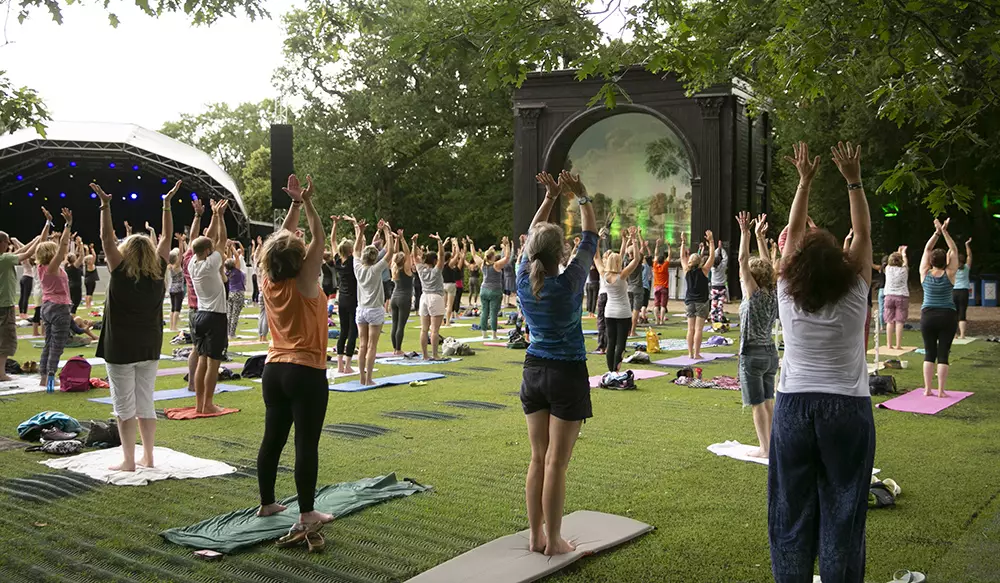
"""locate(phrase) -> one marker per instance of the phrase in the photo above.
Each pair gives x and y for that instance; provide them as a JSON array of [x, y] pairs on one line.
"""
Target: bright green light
[[890, 215], [996, 216]]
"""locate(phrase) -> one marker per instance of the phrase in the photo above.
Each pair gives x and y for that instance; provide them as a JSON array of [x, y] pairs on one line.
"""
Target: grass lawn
[[642, 455]]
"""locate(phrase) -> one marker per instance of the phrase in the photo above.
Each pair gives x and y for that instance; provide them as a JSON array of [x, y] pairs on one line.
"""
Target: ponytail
[[537, 277], [544, 246]]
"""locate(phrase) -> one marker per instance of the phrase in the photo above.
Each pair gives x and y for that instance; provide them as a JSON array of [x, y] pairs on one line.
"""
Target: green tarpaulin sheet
[[229, 532]]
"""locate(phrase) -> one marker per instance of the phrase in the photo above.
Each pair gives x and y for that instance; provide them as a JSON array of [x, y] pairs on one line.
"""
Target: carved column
[[527, 153], [706, 206]]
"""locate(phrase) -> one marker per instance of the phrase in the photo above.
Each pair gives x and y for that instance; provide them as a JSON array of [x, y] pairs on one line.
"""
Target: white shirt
[[719, 272], [618, 306], [207, 280], [371, 294], [825, 350], [895, 281]]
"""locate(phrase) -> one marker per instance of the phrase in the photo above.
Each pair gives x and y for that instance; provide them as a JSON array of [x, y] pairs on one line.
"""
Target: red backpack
[[75, 376]]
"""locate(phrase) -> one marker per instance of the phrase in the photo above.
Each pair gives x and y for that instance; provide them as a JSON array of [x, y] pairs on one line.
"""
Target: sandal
[[904, 576], [315, 541], [298, 534]]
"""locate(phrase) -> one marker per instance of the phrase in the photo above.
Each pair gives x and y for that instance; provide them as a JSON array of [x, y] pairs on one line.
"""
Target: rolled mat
[[230, 532], [181, 413]]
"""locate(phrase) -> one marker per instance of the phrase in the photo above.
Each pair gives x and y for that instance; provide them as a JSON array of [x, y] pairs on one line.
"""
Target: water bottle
[[50, 385]]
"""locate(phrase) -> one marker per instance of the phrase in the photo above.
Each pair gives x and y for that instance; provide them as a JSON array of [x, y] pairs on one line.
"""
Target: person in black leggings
[[74, 274], [294, 384], [27, 284], [401, 300], [347, 302], [938, 318]]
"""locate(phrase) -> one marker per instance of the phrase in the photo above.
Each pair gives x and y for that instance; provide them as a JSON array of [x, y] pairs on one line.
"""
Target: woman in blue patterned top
[[555, 387], [938, 319], [759, 310], [962, 287]]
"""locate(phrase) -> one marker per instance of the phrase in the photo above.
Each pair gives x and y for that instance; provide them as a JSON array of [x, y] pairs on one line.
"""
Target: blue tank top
[[937, 292], [962, 278]]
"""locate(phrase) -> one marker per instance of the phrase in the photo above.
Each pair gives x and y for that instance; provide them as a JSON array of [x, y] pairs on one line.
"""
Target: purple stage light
[[133, 196]]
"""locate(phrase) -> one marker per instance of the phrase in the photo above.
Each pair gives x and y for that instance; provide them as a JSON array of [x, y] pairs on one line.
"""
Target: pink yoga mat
[[916, 402], [166, 372], [595, 381], [685, 361], [496, 344]]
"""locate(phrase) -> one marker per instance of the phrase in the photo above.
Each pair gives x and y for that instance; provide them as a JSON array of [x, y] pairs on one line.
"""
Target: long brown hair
[[819, 273], [544, 246]]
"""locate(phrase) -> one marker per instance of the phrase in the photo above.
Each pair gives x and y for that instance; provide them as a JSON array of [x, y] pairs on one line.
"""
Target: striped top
[[962, 278], [937, 292]]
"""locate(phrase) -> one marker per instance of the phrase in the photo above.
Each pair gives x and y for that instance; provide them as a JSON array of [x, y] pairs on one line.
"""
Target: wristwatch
[[583, 199]]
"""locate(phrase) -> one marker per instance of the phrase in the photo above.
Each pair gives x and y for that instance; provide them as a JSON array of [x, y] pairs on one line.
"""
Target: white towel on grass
[[20, 384], [738, 451], [169, 464]]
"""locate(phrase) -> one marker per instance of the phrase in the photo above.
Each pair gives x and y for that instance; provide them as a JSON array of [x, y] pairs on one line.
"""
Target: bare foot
[[213, 408], [698, 357], [759, 452], [927, 393], [536, 542], [348, 370], [270, 510], [559, 547], [4, 378], [942, 394], [313, 517], [122, 467], [143, 462]]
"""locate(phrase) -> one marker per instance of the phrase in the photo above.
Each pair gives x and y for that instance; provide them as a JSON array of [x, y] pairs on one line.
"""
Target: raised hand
[[944, 225], [709, 237], [435, 236], [848, 161], [307, 194], [128, 228], [147, 226], [198, 206], [937, 226], [968, 242], [807, 169], [105, 198], [552, 189], [294, 188], [761, 228], [572, 183], [67, 216], [171, 193], [48, 215], [744, 221]]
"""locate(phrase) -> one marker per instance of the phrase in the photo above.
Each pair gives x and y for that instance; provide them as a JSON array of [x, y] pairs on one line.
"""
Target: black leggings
[[348, 327], [602, 325], [90, 283], [618, 329], [292, 394], [400, 306], [75, 297], [592, 291], [456, 304], [938, 327], [961, 298], [176, 300], [26, 284]]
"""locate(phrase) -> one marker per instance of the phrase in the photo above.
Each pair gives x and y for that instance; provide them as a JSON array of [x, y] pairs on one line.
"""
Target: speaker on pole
[[282, 164]]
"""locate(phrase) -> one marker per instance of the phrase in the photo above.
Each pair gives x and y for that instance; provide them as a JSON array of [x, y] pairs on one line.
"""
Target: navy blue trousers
[[822, 451]]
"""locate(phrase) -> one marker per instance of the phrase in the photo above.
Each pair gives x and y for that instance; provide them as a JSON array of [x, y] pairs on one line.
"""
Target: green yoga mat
[[230, 532]]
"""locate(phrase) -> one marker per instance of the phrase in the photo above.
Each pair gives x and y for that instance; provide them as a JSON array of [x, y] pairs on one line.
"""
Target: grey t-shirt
[[371, 293], [431, 280], [719, 271]]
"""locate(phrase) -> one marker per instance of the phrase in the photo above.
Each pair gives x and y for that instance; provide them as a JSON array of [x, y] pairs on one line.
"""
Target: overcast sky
[[147, 71]]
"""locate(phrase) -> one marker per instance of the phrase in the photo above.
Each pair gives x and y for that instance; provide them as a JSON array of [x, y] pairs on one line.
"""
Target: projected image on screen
[[635, 167]]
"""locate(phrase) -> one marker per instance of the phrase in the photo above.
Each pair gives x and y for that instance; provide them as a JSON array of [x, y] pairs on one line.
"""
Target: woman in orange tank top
[[294, 381]]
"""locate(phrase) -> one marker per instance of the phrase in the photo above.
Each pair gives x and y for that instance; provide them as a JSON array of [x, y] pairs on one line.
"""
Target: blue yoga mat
[[180, 393], [400, 379]]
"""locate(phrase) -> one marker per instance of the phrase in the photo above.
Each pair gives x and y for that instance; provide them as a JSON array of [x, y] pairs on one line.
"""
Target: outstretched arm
[[167, 225], [968, 253], [440, 252], [552, 192], [317, 240], [799, 212], [359, 238], [684, 252], [636, 257], [707, 266], [749, 283], [112, 257], [925, 259], [53, 267], [760, 229], [952, 251], [848, 160]]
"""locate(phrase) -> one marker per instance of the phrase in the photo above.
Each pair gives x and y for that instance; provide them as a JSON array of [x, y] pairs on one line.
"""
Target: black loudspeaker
[[282, 164]]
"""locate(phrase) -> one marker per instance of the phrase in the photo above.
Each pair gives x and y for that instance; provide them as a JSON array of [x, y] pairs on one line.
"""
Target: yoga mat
[[590, 332], [496, 344], [250, 316], [402, 379], [94, 361], [180, 413], [639, 374], [508, 560], [964, 341], [168, 464], [230, 532], [739, 451], [893, 351], [246, 342], [166, 372], [333, 375], [680, 361], [20, 384], [180, 393], [916, 402], [403, 361]]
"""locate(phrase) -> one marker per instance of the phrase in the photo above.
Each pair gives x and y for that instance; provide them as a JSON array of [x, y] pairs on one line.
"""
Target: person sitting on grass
[[81, 327], [696, 269], [938, 317], [294, 384], [132, 332], [758, 311], [823, 433], [9, 259], [555, 386], [210, 323]]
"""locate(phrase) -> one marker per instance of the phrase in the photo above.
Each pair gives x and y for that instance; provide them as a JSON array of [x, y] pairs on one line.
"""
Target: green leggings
[[491, 308]]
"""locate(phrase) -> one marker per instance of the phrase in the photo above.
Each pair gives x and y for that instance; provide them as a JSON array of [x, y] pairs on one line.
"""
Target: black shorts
[[387, 288], [961, 298], [210, 334], [561, 386], [176, 301], [646, 295]]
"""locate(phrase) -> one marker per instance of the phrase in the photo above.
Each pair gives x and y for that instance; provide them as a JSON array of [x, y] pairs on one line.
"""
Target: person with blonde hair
[[56, 302], [491, 292], [294, 382], [347, 298], [368, 269], [9, 258], [210, 322], [555, 385], [696, 269], [432, 306], [90, 275], [132, 332], [401, 301], [618, 311], [758, 311], [897, 297]]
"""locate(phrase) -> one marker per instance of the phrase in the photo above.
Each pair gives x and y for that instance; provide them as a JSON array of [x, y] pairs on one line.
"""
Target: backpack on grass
[[75, 376], [881, 385]]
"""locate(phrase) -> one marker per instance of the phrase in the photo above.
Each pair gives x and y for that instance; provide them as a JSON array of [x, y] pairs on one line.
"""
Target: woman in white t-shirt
[[823, 433], [897, 297], [370, 317]]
